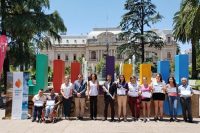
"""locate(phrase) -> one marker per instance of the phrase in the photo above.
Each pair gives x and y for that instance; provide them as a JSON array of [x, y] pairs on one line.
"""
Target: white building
[[94, 45]]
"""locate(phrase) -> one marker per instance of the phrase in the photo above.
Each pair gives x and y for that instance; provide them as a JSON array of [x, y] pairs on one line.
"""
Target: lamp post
[[133, 61]]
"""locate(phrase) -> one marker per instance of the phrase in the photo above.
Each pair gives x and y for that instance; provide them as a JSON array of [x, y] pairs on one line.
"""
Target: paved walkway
[[76, 126]]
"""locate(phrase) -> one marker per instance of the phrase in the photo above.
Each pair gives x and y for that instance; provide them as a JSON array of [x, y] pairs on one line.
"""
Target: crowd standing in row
[[136, 95]]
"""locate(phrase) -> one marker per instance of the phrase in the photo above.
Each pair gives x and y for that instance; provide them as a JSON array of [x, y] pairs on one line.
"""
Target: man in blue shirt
[[186, 93], [80, 87]]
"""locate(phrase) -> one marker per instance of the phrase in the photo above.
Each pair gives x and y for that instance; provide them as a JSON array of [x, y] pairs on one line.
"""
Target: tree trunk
[[194, 72]]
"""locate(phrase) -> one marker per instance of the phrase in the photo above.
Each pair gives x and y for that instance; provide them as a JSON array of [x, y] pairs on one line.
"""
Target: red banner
[[3, 47]]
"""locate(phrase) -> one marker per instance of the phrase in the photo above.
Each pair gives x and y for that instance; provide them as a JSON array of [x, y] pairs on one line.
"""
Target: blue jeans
[[173, 102], [48, 110]]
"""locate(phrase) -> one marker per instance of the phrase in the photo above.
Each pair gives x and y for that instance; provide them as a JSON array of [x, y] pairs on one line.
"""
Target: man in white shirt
[[38, 101], [186, 93]]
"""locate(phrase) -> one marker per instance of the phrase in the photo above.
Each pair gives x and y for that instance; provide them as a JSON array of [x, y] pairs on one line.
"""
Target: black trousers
[[108, 100], [186, 108], [37, 112], [93, 107], [67, 106]]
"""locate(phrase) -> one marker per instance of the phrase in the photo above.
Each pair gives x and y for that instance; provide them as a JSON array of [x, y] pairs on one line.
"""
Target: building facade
[[93, 47]]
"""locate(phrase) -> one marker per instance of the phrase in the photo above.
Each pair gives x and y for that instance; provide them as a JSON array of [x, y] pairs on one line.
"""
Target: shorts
[[146, 99], [158, 96]]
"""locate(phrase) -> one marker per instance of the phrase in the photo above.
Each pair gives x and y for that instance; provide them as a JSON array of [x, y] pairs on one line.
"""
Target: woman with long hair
[[93, 88], [159, 89], [122, 88], [172, 92]]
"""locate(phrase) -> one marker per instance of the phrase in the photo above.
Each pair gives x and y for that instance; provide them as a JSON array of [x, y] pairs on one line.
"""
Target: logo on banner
[[18, 83]]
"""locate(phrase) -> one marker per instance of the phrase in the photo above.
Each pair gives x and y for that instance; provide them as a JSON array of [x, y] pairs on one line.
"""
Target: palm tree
[[141, 14], [186, 27]]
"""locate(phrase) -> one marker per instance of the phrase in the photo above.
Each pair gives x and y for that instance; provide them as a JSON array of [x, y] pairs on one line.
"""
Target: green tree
[[186, 27], [99, 66], [141, 14], [26, 21]]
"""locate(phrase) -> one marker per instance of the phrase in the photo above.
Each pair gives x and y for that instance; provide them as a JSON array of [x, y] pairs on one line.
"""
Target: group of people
[[138, 96]]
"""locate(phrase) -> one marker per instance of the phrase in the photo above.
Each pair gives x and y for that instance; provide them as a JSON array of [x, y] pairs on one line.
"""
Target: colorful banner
[[3, 47], [20, 95], [127, 71], [110, 66], [75, 70], [58, 74], [25, 96], [145, 71], [17, 95]]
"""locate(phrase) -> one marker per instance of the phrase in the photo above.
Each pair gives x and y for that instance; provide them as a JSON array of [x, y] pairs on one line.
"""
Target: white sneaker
[[148, 120], [139, 120]]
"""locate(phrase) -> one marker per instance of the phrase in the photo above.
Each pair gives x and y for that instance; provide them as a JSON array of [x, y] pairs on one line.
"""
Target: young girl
[[145, 92]]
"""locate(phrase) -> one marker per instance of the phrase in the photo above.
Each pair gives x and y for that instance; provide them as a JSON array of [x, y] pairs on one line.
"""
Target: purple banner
[[110, 66]]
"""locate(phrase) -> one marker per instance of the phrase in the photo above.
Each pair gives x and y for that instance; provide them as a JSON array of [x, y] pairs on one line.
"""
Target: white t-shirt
[[158, 86], [39, 101], [133, 89], [93, 89], [67, 89]]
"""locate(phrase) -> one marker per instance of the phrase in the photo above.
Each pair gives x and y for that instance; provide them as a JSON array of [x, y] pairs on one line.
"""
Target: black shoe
[[104, 119], [38, 121], [33, 120], [91, 118], [112, 120], [171, 120], [155, 119], [190, 121], [80, 118], [119, 120], [176, 120]]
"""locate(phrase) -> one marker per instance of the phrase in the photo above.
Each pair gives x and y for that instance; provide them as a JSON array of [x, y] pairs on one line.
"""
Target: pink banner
[[3, 47]]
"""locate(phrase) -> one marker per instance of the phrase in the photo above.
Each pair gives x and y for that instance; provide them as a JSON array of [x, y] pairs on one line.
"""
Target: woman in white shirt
[[66, 91], [158, 96], [93, 88], [133, 98]]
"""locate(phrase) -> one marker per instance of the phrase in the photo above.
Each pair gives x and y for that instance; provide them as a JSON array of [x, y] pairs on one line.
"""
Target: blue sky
[[80, 16]]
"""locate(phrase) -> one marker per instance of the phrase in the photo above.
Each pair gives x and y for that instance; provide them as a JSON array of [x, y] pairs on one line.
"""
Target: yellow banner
[[145, 71], [127, 71]]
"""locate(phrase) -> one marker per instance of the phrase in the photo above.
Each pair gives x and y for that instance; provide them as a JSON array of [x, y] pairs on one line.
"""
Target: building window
[[83, 41], [67, 41], [74, 56], [168, 39], [75, 41], [82, 55], [169, 56], [66, 58], [58, 56], [93, 55]]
